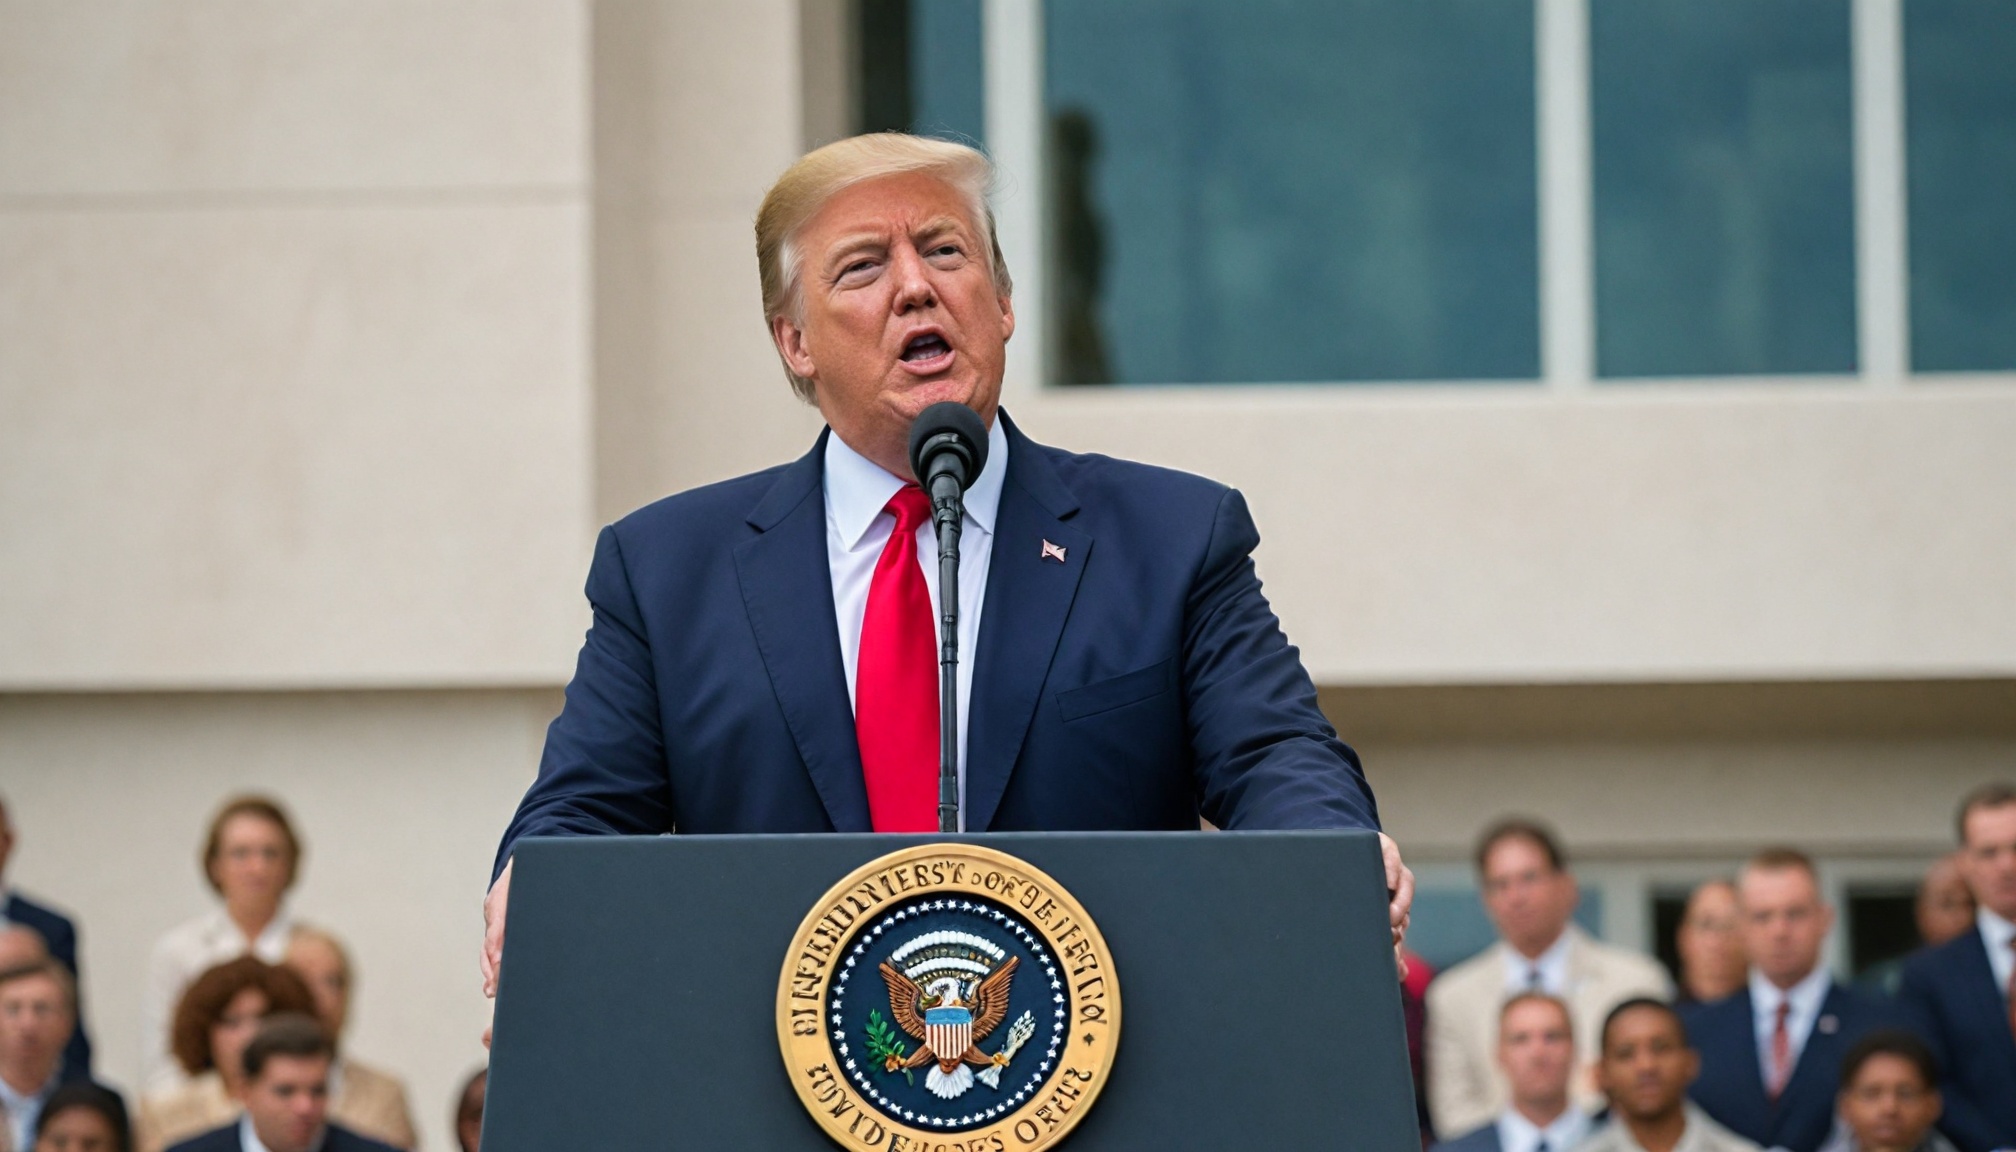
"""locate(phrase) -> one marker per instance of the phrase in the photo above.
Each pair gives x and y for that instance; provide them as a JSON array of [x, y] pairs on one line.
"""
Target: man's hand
[[1399, 889], [500, 893]]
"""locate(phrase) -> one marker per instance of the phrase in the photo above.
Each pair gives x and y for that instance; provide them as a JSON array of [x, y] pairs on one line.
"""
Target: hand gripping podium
[[651, 988]]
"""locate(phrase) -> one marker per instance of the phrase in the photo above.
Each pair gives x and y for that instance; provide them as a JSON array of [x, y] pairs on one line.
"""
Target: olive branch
[[884, 1046]]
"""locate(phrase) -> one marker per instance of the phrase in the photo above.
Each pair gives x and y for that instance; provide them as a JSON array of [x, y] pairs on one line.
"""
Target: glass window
[[1291, 190], [1960, 109], [1724, 187], [922, 68]]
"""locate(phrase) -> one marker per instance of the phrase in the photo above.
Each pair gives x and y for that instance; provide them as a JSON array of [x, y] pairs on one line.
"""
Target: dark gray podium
[[638, 1001]]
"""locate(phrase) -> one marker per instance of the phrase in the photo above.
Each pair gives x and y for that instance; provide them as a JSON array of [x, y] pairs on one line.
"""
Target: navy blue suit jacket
[[225, 1139], [1948, 995], [60, 934], [1483, 1139], [1138, 683], [1731, 1085]]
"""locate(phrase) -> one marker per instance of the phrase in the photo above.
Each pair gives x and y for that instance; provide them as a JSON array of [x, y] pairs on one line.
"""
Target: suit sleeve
[[603, 771], [1265, 756], [1917, 1003]]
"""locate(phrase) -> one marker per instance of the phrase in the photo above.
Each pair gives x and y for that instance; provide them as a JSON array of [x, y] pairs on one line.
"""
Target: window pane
[[1724, 184], [1960, 77], [921, 68], [1292, 190]]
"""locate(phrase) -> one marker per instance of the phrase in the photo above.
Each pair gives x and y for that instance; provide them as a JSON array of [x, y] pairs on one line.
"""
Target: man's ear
[[790, 341], [1007, 319]]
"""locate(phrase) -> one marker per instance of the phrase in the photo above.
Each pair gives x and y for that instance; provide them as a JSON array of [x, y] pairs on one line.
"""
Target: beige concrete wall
[[400, 797], [293, 343]]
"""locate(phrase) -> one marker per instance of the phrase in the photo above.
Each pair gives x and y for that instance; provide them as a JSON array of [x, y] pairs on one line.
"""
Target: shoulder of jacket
[[731, 500]]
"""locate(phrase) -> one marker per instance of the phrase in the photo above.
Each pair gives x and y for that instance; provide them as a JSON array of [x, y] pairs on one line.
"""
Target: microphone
[[948, 448]]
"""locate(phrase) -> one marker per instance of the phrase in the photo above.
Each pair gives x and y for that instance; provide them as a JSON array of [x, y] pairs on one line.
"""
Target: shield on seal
[[948, 1031]]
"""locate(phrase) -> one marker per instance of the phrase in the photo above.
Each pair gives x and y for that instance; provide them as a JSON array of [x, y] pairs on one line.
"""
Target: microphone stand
[[948, 514]]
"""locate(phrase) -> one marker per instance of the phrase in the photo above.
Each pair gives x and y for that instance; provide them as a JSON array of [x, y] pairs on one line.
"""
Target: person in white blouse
[[251, 859], [1536, 1052]]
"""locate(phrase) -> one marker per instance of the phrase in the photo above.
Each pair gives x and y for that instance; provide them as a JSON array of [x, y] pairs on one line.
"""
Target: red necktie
[[1781, 1052], [896, 681]]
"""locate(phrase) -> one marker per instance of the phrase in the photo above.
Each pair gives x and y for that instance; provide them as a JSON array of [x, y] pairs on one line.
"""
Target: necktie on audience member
[[1781, 1052], [896, 681]]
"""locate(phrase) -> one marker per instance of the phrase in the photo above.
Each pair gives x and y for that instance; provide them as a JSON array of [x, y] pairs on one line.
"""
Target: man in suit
[[286, 1096], [38, 1012], [1961, 995], [1531, 897], [1536, 1052], [58, 935], [763, 654], [1771, 1054]]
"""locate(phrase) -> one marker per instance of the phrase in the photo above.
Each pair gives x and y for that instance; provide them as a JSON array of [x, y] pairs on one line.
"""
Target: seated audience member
[[250, 858], [57, 934], [1645, 1070], [1889, 1097], [469, 1111], [1771, 1054], [1536, 1052], [1531, 897], [286, 1096], [83, 1117], [218, 1016], [361, 1098], [1958, 996], [1945, 907], [38, 1010], [1712, 964]]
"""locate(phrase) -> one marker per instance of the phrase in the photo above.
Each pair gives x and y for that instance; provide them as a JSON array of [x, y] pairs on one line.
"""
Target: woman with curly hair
[[216, 1018]]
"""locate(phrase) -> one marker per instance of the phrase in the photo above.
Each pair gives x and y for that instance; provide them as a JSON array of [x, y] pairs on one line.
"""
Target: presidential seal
[[948, 998]]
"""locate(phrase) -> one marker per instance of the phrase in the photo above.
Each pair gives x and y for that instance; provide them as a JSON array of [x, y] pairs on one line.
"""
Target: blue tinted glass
[[1960, 102], [1724, 182], [1292, 190], [947, 85]]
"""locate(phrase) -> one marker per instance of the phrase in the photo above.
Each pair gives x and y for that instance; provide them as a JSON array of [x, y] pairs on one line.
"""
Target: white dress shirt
[[248, 1138], [1518, 1134], [1806, 998], [1996, 933], [183, 954], [22, 1110], [1552, 965], [857, 528]]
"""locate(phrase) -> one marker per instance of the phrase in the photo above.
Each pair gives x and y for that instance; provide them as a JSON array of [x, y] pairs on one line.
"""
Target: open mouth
[[925, 348]]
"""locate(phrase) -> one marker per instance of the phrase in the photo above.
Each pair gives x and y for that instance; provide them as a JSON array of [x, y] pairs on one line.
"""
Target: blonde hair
[[820, 175]]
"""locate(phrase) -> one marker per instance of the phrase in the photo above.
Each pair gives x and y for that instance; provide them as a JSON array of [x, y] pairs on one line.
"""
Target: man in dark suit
[[1961, 995], [58, 935], [1536, 1051], [286, 1096], [763, 655], [1771, 1053]]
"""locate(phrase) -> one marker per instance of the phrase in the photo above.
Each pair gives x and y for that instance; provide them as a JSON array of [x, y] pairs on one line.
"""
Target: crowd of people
[[243, 1013], [1550, 1041]]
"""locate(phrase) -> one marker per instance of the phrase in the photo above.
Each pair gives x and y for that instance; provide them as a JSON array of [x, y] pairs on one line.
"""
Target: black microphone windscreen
[[961, 423]]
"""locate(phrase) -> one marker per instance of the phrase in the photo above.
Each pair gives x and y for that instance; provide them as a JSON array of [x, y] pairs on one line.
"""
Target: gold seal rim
[[819, 1046]]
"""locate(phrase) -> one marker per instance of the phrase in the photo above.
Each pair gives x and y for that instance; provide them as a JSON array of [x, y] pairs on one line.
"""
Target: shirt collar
[[271, 944], [248, 1137], [15, 1100], [1995, 931], [1518, 1134], [1805, 997], [1553, 965], [857, 488]]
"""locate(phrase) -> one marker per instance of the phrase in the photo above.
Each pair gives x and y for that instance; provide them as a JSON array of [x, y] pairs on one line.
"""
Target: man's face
[[1646, 1066], [35, 1024], [1536, 1048], [1988, 858], [897, 311], [289, 1102], [1710, 942], [1945, 906], [77, 1130], [1528, 898], [1889, 1105], [1784, 922]]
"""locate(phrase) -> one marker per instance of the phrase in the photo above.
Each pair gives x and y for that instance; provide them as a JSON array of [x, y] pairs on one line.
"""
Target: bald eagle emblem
[[949, 991]]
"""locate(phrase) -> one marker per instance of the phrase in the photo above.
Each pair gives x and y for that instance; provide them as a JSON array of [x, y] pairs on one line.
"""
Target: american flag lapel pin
[[1053, 552]]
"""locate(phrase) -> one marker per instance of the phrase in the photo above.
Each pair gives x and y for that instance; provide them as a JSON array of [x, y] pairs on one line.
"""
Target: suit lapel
[[1984, 1000], [1028, 598], [787, 590], [1819, 1061]]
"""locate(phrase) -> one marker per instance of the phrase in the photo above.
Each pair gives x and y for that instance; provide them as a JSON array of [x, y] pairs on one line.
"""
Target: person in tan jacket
[[1531, 897], [363, 1099]]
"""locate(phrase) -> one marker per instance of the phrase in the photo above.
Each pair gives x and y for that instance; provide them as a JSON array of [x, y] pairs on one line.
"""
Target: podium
[[639, 997]]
